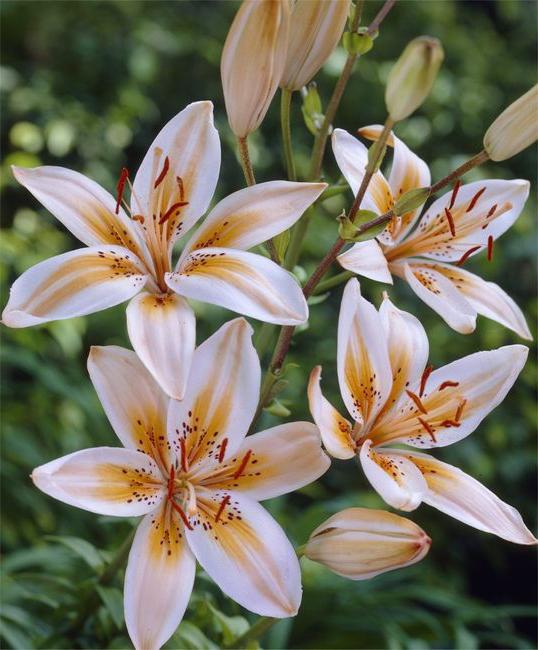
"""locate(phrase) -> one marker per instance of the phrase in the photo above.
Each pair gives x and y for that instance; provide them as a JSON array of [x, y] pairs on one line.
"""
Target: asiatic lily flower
[[130, 245], [393, 398], [188, 468], [429, 257]]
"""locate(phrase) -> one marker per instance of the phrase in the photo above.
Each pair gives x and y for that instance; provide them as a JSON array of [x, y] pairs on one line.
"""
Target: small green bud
[[281, 243], [312, 109], [278, 409], [412, 76], [357, 43], [411, 200], [349, 230]]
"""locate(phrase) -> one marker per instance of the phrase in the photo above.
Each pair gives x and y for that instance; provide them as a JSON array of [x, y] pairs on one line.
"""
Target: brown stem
[[246, 164], [376, 22]]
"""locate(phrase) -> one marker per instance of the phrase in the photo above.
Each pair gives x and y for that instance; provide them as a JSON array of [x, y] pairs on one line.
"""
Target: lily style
[[394, 398], [188, 468], [429, 257], [129, 247]]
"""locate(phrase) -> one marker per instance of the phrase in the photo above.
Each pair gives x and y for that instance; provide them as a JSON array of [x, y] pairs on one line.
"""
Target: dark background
[[87, 85]]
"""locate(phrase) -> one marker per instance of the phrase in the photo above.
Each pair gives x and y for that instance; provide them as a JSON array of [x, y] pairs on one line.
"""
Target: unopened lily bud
[[412, 76], [411, 200], [316, 26], [252, 62], [515, 129], [360, 543]]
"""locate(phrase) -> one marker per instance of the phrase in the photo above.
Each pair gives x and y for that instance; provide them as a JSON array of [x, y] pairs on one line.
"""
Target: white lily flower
[[393, 398], [129, 251], [461, 223], [189, 469], [361, 543]]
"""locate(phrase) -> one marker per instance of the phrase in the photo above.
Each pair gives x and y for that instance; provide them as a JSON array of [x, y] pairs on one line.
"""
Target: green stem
[[255, 631], [263, 338], [337, 279], [285, 106]]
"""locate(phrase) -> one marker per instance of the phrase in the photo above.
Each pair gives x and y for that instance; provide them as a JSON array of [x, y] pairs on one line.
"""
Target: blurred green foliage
[[87, 85]]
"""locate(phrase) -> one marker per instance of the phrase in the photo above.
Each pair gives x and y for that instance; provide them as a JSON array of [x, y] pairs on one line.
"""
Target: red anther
[[450, 423], [474, 200], [222, 449], [171, 210], [120, 187], [428, 428], [490, 248], [180, 512], [466, 255], [447, 384], [459, 412], [138, 217], [417, 401], [491, 211], [450, 220], [223, 505], [164, 171], [181, 187], [427, 372], [244, 463], [184, 464], [454, 194], [171, 481]]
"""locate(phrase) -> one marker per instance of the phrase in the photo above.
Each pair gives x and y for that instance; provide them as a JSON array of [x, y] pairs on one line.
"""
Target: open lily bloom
[[129, 247], [393, 398], [188, 468], [458, 225]]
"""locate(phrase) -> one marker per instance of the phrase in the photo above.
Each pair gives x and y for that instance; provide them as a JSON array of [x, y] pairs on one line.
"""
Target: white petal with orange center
[[364, 372], [133, 401], [367, 259], [272, 462], [158, 579], [190, 144], [461, 496], [83, 206], [74, 284], [487, 298], [162, 330], [253, 215], [244, 282], [247, 554], [221, 397], [457, 397], [396, 479], [352, 158], [335, 430], [105, 480]]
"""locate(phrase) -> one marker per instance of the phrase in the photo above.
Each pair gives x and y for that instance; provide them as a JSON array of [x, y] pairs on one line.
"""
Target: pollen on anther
[[447, 384], [450, 220], [416, 399], [163, 173], [466, 255], [222, 450], [427, 372], [490, 248], [475, 198], [243, 464], [223, 504], [454, 194], [428, 428]]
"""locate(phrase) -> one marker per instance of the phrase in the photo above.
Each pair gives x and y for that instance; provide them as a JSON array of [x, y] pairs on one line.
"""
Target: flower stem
[[332, 282], [285, 105], [255, 631]]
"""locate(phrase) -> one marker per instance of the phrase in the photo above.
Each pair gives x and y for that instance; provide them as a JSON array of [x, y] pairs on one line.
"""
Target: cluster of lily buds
[[360, 543], [272, 44]]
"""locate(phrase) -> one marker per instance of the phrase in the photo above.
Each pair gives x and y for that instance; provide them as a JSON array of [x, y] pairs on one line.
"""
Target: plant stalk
[[285, 106]]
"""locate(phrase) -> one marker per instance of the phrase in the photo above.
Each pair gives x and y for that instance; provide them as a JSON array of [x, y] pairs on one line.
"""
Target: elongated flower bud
[[252, 62], [412, 76], [360, 543], [316, 26], [515, 129]]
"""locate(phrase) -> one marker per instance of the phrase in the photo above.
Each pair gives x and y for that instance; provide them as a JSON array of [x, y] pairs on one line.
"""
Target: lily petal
[[162, 330], [487, 298], [461, 496], [133, 402], [158, 579], [83, 206], [457, 397], [335, 430], [221, 397], [438, 293], [352, 157], [408, 172], [396, 479], [190, 144], [272, 462], [364, 372], [247, 283], [247, 554], [105, 480], [367, 259], [74, 284], [497, 204], [253, 215]]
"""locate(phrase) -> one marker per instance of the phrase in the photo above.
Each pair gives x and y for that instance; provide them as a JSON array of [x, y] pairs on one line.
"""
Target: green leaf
[[113, 601], [83, 549], [190, 637], [231, 627], [281, 243]]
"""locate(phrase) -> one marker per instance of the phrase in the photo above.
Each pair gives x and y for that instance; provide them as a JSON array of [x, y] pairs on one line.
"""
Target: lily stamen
[[427, 372], [428, 428], [448, 384], [450, 220], [180, 512], [475, 198], [222, 449], [416, 399], [162, 175], [184, 459], [490, 248], [466, 255], [120, 187], [243, 464], [459, 412], [223, 505], [454, 194], [173, 208]]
